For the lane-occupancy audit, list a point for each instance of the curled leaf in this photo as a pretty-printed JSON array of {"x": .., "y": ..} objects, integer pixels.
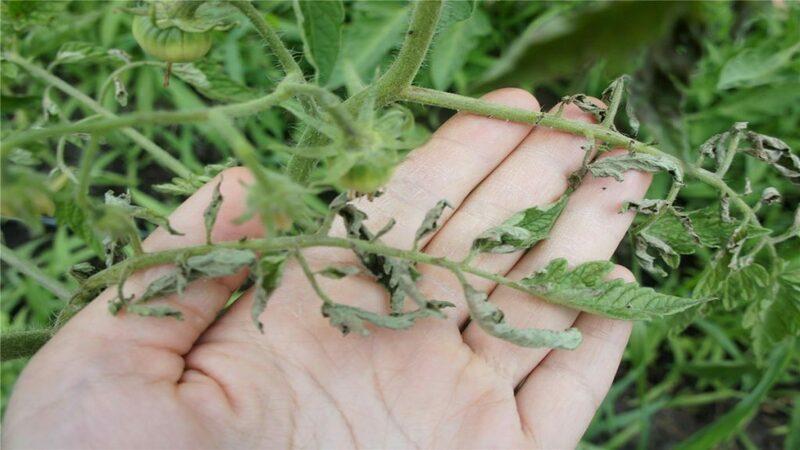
[
  {"x": 775, "y": 152},
  {"x": 492, "y": 320},
  {"x": 770, "y": 196},
  {"x": 212, "y": 210},
  {"x": 522, "y": 230},
  {"x": 269, "y": 271},
  {"x": 429, "y": 224},
  {"x": 616, "y": 166}
]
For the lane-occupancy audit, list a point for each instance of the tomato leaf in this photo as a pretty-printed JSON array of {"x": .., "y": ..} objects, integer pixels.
[
  {"x": 522, "y": 230},
  {"x": 321, "y": 29},
  {"x": 585, "y": 288}
]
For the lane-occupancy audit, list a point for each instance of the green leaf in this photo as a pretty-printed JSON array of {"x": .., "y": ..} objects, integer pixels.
[
  {"x": 776, "y": 317},
  {"x": 69, "y": 214},
  {"x": 75, "y": 52},
  {"x": 573, "y": 40},
  {"x": 616, "y": 166},
  {"x": 429, "y": 223},
  {"x": 451, "y": 48},
  {"x": 734, "y": 286},
  {"x": 211, "y": 80},
  {"x": 492, "y": 320},
  {"x": 585, "y": 288},
  {"x": 321, "y": 28},
  {"x": 751, "y": 66},
  {"x": 454, "y": 11},
  {"x": 376, "y": 28},
  {"x": 522, "y": 230},
  {"x": 269, "y": 272},
  {"x": 675, "y": 233},
  {"x": 212, "y": 210},
  {"x": 736, "y": 419}
]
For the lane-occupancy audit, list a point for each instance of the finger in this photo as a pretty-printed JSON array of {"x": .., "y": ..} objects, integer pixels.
[
  {"x": 569, "y": 385},
  {"x": 535, "y": 174},
  {"x": 95, "y": 327},
  {"x": 590, "y": 228}
]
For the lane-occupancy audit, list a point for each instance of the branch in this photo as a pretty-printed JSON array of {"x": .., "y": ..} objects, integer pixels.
[
  {"x": 110, "y": 123},
  {"x": 274, "y": 41},
  {"x": 21, "y": 344},
  {"x": 159, "y": 154},
  {"x": 420, "y": 33}
]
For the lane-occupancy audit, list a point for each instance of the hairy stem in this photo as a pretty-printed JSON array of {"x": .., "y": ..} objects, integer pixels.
[
  {"x": 272, "y": 39},
  {"x": 21, "y": 344},
  {"x": 159, "y": 154},
  {"x": 420, "y": 32}
]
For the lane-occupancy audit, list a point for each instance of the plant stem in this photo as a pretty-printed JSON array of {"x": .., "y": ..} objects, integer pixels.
[
  {"x": 21, "y": 344},
  {"x": 420, "y": 32},
  {"x": 159, "y": 154},
  {"x": 481, "y": 107},
  {"x": 146, "y": 118},
  {"x": 16, "y": 261},
  {"x": 272, "y": 39}
]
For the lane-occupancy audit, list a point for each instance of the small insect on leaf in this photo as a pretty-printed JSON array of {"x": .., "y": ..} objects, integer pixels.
[
  {"x": 211, "y": 212},
  {"x": 269, "y": 271},
  {"x": 616, "y": 166},
  {"x": 522, "y": 230}
]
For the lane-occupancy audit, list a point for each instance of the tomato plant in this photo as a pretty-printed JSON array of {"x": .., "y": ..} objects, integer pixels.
[{"x": 322, "y": 100}]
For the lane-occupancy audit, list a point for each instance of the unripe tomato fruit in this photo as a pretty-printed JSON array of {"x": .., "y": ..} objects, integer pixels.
[
  {"x": 366, "y": 177},
  {"x": 170, "y": 44}
]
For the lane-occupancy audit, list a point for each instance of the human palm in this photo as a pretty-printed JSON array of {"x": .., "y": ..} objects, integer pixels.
[{"x": 134, "y": 382}]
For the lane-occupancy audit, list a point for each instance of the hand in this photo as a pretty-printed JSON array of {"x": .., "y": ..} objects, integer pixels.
[{"x": 134, "y": 382}]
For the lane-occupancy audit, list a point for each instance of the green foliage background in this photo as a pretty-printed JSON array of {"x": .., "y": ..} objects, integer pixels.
[{"x": 697, "y": 68}]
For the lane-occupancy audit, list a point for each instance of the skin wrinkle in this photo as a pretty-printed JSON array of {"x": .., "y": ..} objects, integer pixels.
[
  {"x": 332, "y": 400},
  {"x": 459, "y": 378},
  {"x": 389, "y": 412}
]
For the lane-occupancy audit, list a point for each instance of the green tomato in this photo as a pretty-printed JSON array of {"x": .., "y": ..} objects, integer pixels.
[
  {"x": 366, "y": 177},
  {"x": 170, "y": 44}
]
